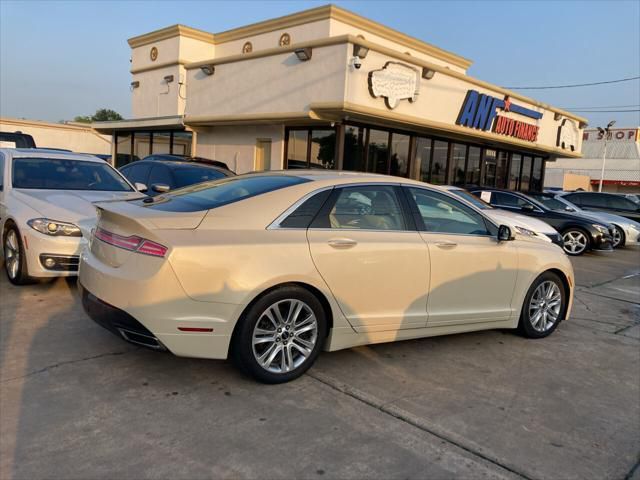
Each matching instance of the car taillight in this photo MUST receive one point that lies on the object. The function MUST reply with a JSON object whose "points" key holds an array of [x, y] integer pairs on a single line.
{"points": [[132, 243]]}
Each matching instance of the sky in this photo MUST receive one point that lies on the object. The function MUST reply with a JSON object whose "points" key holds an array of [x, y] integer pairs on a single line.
{"points": [[60, 59]]}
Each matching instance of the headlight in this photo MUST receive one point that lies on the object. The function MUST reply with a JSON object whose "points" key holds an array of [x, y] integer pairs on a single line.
{"points": [[602, 229], [525, 231], [54, 228]]}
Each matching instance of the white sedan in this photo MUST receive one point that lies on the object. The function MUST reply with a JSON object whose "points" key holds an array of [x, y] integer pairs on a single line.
{"points": [[271, 268], [46, 209]]}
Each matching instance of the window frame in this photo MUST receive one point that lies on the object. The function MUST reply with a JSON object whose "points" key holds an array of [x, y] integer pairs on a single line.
{"points": [[419, 221]]}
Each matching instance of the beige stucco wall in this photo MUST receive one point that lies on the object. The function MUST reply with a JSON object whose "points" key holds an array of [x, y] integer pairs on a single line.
{"points": [[236, 145], [277, 83], [157, 98], [77, 138]]}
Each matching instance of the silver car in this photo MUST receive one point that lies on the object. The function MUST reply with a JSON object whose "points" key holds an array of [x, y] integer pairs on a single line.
{"points": [[626, 232]]}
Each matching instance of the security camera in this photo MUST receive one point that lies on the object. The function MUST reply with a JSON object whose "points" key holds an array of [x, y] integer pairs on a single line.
{"points": [[357, 63]]}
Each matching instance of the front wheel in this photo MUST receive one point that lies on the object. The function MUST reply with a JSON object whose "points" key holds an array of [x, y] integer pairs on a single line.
{"points": [[575, 241], [618, 239], [281, 335], [544, 306], [15, 264]]}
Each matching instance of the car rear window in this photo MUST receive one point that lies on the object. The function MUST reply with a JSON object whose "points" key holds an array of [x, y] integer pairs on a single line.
{"points": [[208, 195], [63, 174], [188, 175]]}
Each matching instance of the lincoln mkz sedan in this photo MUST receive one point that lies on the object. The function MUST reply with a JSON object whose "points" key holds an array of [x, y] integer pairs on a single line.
{"points": [[271, 268]]}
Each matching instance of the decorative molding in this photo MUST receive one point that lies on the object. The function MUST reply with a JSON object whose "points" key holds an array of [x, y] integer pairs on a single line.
{"points": [[170, 32], [158, 66], [153, 54], [285, 40], [247, 47], [249, 118]]}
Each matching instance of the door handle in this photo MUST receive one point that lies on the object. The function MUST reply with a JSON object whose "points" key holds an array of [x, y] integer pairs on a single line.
{"points": [[342, 243], [446, 244]]}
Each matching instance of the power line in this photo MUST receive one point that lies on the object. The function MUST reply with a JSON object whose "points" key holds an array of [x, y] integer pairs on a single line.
{"points": [[605, 111], [602, 106], [574, 85]]}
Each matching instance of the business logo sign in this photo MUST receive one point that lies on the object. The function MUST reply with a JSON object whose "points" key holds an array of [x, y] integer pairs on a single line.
{"points": [[481, 111], [567, 135], [395, 81]]}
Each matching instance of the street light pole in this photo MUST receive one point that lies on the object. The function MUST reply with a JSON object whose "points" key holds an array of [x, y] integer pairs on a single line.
{"points": [[605, 134]]}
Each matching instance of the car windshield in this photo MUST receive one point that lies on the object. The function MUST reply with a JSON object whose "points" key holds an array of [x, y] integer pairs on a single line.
{"points": [[189, 175], [470, 197], [63, 174], [549, 202], [208, 195]]}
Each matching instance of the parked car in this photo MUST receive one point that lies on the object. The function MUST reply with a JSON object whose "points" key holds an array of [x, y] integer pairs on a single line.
{"points": [[625, 231], [16, 140], [522, 223], [605, 202], [634, 197], [270, 268], [160, 176], [46, 209], [579, 234], [185, 158]]}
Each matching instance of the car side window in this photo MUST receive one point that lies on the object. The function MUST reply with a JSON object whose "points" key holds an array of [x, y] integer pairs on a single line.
{"points": [[594, 200], [502, 199], [621, 203], [302, 216], [137, 173], [442, 214], [366, 207], [160, 174]]}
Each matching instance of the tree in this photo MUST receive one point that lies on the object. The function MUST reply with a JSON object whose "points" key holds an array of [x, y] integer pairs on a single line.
{"points": [[101, 115]]}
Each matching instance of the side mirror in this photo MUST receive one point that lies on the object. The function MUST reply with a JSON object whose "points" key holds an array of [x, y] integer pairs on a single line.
{"points": [[160, 187], [141, 187], [527, 208], [504, 233]]}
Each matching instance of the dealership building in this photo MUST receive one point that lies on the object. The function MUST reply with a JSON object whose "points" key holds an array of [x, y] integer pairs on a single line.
{"points": [[326, 88]]}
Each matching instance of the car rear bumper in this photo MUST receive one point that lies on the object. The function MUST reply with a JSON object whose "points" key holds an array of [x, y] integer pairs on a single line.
{"points": [[144, 297]]}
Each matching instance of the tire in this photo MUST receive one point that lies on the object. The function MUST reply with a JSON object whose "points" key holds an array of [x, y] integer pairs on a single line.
{"points": [[547, 289], [15, 264], [575, 241], [619, 238], [265, 344]]}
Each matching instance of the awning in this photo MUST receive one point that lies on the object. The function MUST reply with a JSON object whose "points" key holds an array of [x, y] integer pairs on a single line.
{"points": [[173, 122]]}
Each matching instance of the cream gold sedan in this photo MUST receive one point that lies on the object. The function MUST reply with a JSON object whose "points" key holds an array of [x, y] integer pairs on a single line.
{"points": [[271, 268]]}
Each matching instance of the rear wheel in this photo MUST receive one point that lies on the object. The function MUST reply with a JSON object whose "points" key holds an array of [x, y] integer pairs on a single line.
{"points": [[281, 335], [544, 306], [15, 264], [575, 241], [618, 239]]}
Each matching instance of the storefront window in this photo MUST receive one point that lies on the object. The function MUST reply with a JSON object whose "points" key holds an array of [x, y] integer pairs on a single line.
{"points": [[489, 176], [458, 159], [502, 165], [378, 152], [297, 148], [526, 174], [423, 157], [473, 166], [514, 173], [181, 143], [353, 158], [323, 148], [439, 164], [162, 142], [123, 149], [399, 155], [536, 175], [142, 144]]}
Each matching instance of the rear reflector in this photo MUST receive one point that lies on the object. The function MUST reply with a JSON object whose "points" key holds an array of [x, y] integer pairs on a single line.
{"points": [[195, 329], [131, 243]]}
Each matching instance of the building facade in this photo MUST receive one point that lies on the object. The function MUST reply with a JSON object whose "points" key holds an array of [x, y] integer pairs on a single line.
{"points": [[325, 88], [621, 159]]}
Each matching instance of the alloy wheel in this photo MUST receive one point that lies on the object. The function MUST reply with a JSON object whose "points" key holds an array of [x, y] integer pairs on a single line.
{"points": [[12, 254], [284, 336], [545, 306], [616, 237], [574, 242]]}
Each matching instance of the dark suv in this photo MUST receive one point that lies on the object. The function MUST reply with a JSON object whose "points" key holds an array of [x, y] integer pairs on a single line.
{"points": [[605, 202], [579, 234]]}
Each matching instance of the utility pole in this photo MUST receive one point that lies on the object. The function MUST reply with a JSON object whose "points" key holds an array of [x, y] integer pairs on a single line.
{"points": [[605, 133]]}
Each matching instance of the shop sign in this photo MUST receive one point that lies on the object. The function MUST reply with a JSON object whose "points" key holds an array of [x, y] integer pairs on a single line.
{"points": [[615, 134], [567, 135], [480, 111], [395, 81]]}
